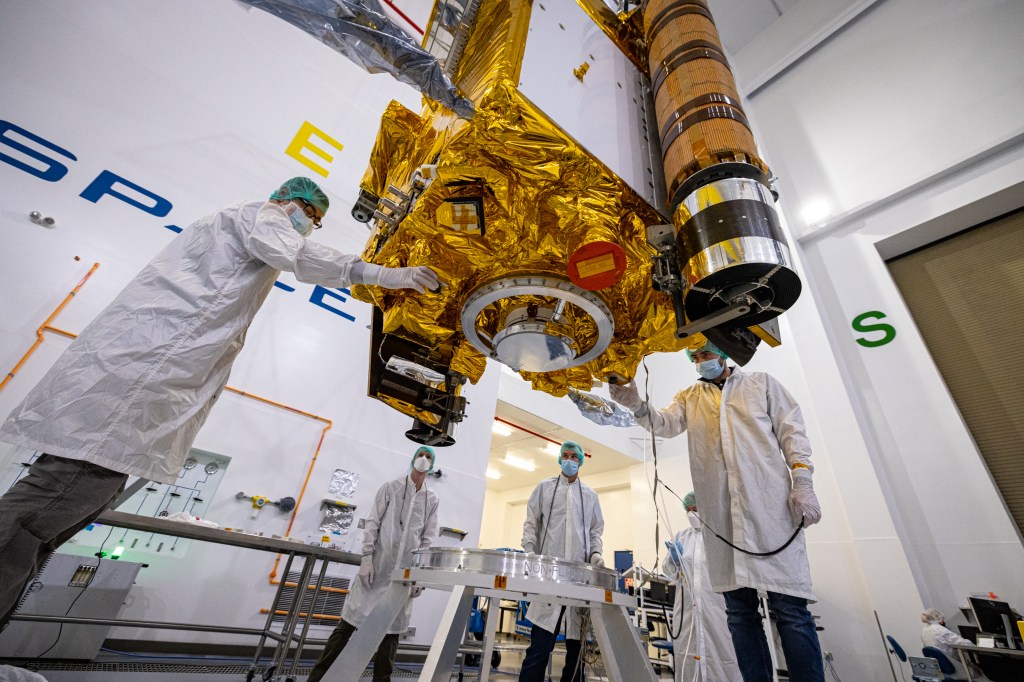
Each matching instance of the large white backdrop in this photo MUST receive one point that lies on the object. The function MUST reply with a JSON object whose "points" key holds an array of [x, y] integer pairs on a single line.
{"points": [[178, 109]]}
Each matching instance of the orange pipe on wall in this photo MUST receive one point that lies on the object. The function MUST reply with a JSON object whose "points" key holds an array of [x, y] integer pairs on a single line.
{"points": [[324, 616], [328, 425], [45, 327]]}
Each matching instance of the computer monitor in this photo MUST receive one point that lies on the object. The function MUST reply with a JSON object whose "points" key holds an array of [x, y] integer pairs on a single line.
{"points": [[988, 615], [969, 632], [623, 560]]}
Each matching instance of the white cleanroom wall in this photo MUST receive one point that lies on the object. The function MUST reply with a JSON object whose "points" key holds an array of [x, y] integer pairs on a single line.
{"points": [[899, 129], [195, 103]]}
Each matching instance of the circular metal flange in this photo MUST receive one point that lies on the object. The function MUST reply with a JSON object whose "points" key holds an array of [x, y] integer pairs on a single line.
{"points": [[528, 346], [544, 351], [515, 565]]}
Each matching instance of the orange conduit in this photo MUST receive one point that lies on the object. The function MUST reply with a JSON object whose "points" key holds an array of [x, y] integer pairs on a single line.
{"points": [[328, 424], [324, 616], [45, 327]]}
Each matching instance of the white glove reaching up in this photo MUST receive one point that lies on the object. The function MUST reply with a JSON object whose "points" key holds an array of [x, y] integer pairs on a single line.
{"points": [[597, 560], [416, 591], [626, 395], [366, 569], [803, 503], [420, 278]]}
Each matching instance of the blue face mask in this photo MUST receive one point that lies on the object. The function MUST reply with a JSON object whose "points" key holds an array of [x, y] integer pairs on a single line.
{"points": [[302, 224], [570, 467], [710, 369]]}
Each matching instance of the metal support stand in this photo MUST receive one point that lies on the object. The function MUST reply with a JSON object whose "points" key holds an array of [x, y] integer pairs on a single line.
{"points": [[625, 657], [496, 575], [493, 616], [450, 632]]}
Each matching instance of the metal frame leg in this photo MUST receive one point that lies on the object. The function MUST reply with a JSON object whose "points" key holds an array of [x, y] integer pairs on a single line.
{"points": [[450, 633], [270, 617], [309, 616], [361, 647], [493, 604], [967, 667], [291, 619], [624, 655]]}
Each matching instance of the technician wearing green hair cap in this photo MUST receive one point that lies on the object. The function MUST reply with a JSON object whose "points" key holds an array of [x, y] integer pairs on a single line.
{"points": [[402, 520], [750, 460], [564, 520], [130, 393]]}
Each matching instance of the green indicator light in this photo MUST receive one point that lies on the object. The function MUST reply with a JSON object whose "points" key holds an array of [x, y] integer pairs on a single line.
{"points": [[117, 553]]}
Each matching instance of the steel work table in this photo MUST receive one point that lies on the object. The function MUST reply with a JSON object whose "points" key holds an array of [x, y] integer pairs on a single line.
{"points": [[310, 553]]}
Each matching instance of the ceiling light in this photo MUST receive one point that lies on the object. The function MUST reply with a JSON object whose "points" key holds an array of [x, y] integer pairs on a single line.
{"points": [[553, 449], [816, 212], [524, 464], [499, 429], [493, 473]]}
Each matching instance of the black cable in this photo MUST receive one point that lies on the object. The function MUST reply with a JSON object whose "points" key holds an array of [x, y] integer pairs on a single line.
{"points": [[60, 630], [657, 479], [748, 552]]}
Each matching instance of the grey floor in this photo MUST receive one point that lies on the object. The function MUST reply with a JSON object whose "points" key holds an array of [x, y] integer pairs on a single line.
{"points": [[112, 668]]}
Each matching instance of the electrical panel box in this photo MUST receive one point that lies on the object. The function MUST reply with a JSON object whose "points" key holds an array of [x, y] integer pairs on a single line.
{"points": [[84, 587]]}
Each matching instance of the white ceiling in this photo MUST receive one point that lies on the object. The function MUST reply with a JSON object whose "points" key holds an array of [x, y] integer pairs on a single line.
{"points": [[525, 446], [738, 21]]}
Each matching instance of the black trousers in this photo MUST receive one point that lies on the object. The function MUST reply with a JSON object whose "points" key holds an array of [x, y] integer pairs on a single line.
{"points": [[56, 498], [542, 643], [383, 660]]}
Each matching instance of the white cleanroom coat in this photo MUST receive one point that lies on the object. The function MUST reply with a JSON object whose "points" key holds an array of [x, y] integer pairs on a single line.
{"points": [[401, 521], [736, 434], [131, 392], [943, 639], [562, 520], [702, 648]]}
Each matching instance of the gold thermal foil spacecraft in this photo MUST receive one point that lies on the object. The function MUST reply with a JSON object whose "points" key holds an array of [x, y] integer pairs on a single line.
{"points": [[546, 252]]}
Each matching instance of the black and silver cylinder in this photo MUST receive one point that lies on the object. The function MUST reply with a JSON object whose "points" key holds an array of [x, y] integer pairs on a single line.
{"points": [[732, 251]]}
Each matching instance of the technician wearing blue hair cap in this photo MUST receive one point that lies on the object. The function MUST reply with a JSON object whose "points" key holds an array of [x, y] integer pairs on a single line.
{"points": [[750, 460], [563, 519]]}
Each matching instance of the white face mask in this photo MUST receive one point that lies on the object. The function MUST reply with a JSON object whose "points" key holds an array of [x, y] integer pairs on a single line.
{"points": [[421, 464], [693, 519]]}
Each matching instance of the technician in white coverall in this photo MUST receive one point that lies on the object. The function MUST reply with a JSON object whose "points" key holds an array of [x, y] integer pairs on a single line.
{"points": [[701, 642], [936, 634], [403, 520], [130, 393], [750, 461], [563, 519]]}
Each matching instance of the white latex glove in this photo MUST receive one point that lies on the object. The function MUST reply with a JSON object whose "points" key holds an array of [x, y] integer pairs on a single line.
{"points": [[420, 278], [597, 560], [366, 569], [803, 503], [626, 395], [416, 591]]}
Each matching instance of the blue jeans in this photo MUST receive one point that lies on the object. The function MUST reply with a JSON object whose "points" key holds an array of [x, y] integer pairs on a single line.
{"points": [[796, 630], [542, 643]]}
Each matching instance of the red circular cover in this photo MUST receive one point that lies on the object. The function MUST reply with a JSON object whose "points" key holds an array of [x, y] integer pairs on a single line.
{"points": [[597, 265]]}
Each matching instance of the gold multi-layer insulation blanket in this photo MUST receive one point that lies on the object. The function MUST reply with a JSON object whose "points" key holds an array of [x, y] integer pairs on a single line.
{"points": [[693, 89], [543, 196]]}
